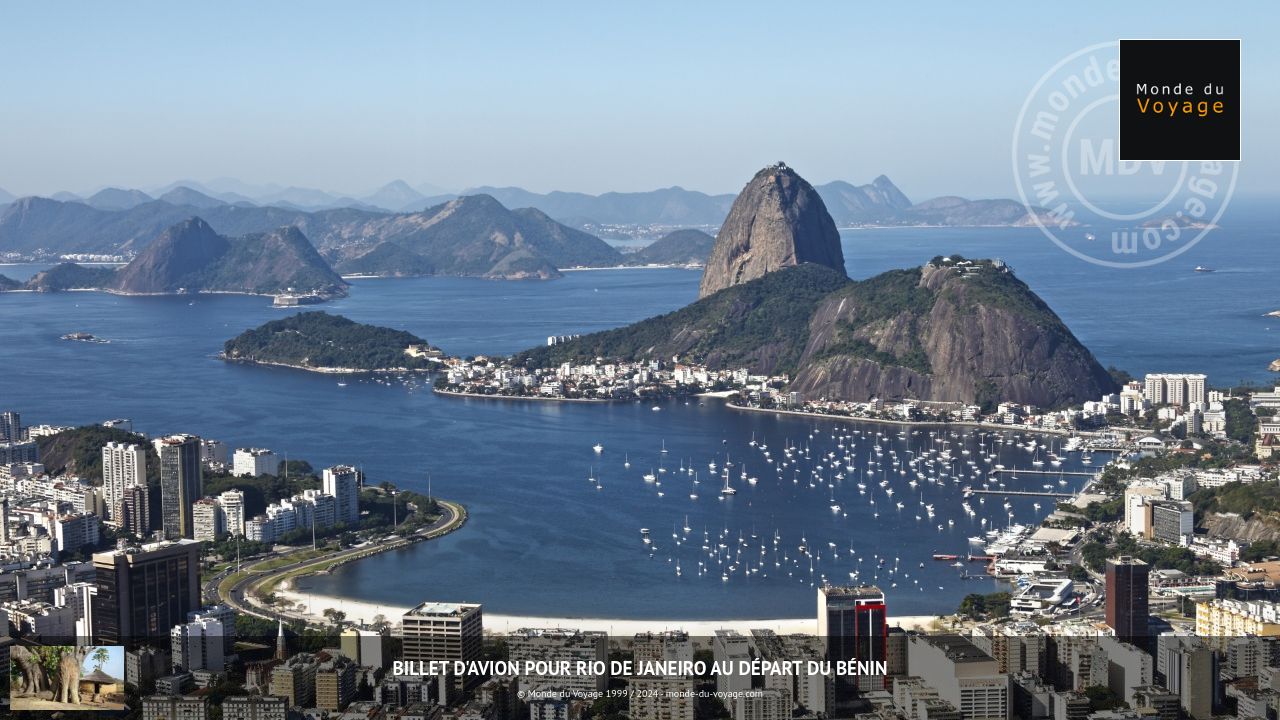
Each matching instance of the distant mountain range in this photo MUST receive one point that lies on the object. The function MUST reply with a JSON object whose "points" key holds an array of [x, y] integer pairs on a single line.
{"points": [[877, 203], [470, 236], [191, 257]]}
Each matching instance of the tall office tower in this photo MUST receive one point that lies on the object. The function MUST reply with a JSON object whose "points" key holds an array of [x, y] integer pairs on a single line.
{"points": [[135, 510], [1127, 588], [181, 483], [144, 591], [444, 631], [232, 504], [340, 481], [10, 426], [124, 465], [853, 622]]}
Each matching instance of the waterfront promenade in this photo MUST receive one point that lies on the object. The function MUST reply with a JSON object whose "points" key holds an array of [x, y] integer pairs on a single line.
{"points": [[243, 589]]}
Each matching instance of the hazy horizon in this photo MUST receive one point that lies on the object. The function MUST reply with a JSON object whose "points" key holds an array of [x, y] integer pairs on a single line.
{"points": [[585, 99]]}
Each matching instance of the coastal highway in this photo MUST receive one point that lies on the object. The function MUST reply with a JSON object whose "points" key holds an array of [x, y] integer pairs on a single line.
{"points": [[232, 588]]}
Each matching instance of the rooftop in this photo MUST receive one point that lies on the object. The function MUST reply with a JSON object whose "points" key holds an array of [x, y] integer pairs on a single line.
{"points": [[956, 648], [443, 609], [869, 592]]}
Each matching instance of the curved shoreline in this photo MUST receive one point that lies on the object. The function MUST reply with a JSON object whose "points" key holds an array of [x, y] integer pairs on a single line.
{"points": [[920, 423], [240, 593], [321, 370], [365, 610], [538, 398]]}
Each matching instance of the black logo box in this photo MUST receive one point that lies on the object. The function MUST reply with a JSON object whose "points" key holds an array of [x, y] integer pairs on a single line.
{"points": [[1185, 65]]}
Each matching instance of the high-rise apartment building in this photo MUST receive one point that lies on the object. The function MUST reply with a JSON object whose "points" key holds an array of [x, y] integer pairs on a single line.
{"points": [[1181, 389], [206, 520], [124, 465], [341, 481], [231, 502]]}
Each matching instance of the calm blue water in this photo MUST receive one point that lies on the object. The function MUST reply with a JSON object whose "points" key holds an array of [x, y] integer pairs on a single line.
{"points": [[542, 539]]}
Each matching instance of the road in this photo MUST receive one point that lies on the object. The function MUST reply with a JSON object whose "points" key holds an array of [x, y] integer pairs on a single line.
{"points": [[236, 595]]}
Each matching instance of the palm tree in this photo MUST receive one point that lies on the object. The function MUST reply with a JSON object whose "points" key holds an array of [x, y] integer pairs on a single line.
{"points": [[99, 657]]}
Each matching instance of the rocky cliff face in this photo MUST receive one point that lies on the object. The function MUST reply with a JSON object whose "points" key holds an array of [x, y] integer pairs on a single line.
{"points": [[963, 331], [778, 220], [959, 331], [1231, 525]]}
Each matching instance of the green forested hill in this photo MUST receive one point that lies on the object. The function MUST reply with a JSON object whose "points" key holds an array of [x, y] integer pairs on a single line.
{"points": [[316, 340]]}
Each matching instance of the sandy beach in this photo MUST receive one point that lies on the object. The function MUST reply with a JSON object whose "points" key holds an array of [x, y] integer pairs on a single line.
{"points": [[359, 611]]}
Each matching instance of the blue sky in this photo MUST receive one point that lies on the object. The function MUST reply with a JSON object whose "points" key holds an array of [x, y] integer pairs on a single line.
{"points": [[571, 96]]}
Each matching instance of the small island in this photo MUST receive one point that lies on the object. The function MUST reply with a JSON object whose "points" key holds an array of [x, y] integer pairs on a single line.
{"points": [[85, 337], [319, 342]]}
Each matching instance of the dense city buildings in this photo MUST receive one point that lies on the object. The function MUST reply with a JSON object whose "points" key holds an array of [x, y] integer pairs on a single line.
{"points": [[1044, 655]]}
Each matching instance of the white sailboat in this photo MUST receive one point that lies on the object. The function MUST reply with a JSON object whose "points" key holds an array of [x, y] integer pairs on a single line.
{"points": [[727, 489]]}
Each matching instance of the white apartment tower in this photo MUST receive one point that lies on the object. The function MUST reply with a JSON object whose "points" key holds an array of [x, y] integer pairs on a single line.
{"points": [[340, 481], [252, 462], [231, 503], [124, 465], [206, 519], [1181, 389]]}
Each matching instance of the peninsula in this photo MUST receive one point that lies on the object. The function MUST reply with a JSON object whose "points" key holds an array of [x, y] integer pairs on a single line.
{"points": [[776, 301]]}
